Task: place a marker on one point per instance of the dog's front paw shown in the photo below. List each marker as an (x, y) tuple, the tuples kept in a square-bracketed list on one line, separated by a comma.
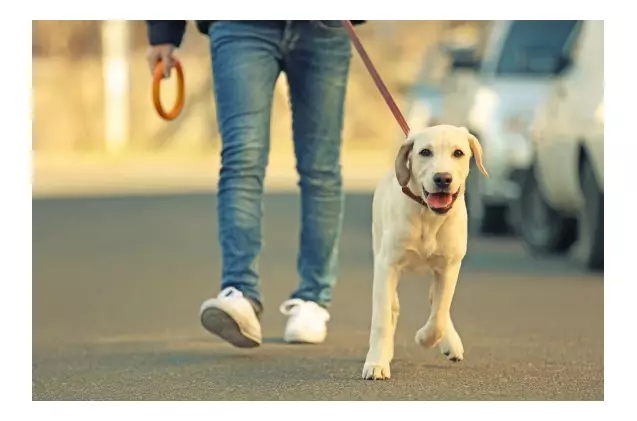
[(451, 347), (376, 371), (429, 335)]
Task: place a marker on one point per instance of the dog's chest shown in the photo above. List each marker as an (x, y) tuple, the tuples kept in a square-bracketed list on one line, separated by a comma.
[(422, 250)]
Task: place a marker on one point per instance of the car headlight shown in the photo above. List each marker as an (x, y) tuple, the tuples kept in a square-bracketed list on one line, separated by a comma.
[(484, 105)]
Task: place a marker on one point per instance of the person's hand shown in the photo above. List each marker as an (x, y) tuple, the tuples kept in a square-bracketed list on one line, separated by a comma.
[(164, 53)]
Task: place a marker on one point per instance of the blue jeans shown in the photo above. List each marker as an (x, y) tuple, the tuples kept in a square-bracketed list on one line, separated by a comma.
[(247, 58)]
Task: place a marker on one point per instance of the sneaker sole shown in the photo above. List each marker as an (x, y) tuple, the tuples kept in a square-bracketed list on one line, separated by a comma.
[(219, 323)]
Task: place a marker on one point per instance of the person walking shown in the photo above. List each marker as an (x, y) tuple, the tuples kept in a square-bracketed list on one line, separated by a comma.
[(247, 58)]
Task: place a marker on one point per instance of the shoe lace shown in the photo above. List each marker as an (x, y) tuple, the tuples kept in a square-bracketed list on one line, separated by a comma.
[(230, 292)]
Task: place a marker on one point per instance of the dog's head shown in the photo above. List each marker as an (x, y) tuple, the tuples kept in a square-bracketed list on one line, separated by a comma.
[(437, 160)]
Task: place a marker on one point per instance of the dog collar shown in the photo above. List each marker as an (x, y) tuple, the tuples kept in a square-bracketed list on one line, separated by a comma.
[(410, 194)]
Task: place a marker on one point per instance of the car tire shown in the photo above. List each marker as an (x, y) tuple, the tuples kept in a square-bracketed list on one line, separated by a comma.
[(495, 220), (543, 230), (590, 247)]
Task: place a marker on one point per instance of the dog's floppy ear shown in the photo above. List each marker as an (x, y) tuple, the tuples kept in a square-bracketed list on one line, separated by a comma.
[(476, 150), (403, 173)]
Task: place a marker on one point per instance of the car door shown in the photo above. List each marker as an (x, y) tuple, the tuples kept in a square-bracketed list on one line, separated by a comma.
[(556, 159), (587, 122)]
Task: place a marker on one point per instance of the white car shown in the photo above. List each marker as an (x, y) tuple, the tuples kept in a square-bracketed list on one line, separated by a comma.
[(562, 202), (494, 97)]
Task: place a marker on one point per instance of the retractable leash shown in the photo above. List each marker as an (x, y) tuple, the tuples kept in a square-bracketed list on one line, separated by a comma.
[(385, 93)]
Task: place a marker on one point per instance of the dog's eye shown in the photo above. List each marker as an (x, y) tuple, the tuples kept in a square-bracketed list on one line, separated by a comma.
[(458, 153), (426, 152)]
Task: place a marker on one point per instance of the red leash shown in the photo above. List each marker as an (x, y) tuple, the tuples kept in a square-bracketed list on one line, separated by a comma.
[(377, 79), (386, 95)]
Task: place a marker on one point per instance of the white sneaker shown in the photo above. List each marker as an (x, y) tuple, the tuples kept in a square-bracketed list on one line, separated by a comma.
[(307, 321), (232, 317)]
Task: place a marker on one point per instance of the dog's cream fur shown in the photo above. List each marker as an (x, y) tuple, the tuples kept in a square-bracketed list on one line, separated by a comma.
[(410, 236)]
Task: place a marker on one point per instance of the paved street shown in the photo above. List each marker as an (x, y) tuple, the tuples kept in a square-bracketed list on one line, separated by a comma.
[(118, 282)]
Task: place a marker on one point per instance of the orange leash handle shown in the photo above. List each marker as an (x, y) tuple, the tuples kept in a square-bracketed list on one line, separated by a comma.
[(179, 102)]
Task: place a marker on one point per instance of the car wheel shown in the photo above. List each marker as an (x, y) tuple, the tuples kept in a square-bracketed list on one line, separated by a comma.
[(590, 247), (543, 230), (514, 212), (495, 220)]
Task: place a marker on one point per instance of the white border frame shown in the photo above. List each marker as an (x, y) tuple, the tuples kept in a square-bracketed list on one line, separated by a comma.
[(16, 211)]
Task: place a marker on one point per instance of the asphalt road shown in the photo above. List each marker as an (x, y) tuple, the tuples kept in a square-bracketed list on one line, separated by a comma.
[(118, 282)]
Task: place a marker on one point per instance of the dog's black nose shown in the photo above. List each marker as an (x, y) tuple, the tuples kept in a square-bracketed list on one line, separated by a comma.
[(442, 180)]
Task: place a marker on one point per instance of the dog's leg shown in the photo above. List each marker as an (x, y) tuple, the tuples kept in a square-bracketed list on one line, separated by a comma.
[(444, 286), (450, 345), (381, 338)]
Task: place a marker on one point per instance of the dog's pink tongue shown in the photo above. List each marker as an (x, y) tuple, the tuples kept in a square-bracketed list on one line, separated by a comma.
[(439, 200)]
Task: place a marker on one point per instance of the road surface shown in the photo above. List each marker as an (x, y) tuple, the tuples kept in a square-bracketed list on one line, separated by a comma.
[(118, 282)]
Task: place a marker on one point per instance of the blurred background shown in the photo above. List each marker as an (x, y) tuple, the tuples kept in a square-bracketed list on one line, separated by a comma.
[(78, 61), (92, 101), (93, 108), (532, 91), (123, 198)]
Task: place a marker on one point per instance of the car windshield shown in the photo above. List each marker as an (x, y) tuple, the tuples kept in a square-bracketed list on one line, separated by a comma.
[(534, 46)]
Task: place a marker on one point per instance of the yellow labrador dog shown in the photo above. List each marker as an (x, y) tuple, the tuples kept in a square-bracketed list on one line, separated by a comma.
[(419, 222)]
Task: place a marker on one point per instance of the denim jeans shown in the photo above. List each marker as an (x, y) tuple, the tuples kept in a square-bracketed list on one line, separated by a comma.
[(247, 58)]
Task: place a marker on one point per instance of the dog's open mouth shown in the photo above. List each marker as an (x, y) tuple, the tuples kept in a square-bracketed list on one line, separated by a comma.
[(440, 202)]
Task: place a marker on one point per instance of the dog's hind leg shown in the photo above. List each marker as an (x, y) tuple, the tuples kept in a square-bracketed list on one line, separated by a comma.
[(384, 316)]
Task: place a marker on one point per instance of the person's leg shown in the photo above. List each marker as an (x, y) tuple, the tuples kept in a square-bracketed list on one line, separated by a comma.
[(246, 64), (317, 66), (245, 61)]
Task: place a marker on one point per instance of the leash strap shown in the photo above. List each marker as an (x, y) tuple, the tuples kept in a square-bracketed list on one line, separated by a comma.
[(386, 95), (377, 79)]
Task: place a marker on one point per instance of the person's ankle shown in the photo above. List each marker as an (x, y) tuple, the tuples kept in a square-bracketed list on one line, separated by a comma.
[(323, 305)]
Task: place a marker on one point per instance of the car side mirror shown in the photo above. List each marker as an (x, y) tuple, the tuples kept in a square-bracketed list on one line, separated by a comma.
[(465, 63), (464, 60), (461, 57)]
